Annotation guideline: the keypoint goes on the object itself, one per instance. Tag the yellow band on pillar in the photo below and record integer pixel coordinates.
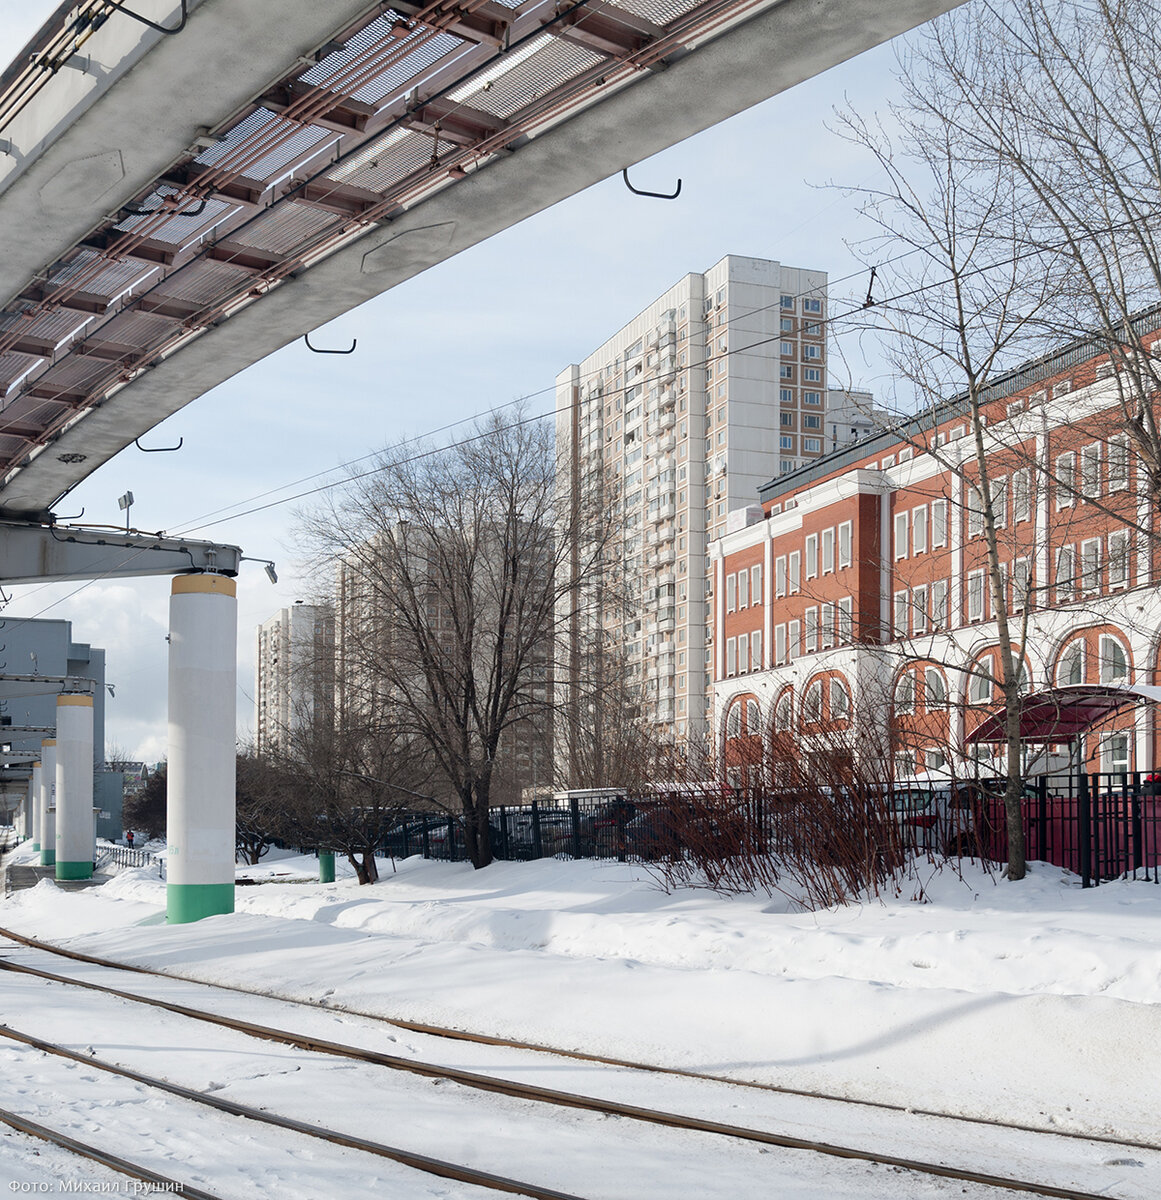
(80, 701)
(49, 742)
(37, 764)
(221, 584)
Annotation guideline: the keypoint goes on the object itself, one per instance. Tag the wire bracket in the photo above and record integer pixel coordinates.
(656, 195)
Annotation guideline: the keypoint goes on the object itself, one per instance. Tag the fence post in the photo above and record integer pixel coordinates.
(1138, 827)
(1083, 817)
(1042, 817)
(537, 848)
(574, 805)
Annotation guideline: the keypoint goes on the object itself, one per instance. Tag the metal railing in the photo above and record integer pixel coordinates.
(1099, 826)
(128, 856)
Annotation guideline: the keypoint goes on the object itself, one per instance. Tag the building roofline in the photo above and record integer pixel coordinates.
(1027, 373)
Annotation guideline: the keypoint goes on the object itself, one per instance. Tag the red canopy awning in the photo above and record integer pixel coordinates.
(1062, 714)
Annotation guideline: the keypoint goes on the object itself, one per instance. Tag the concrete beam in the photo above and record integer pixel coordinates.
(32, 553)
(748, 62)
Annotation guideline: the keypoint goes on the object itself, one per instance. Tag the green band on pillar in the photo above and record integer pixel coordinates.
(47, 857)
(74, 870)
(36, 846)
(186, 902)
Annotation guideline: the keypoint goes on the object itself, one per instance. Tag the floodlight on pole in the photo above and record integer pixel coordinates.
(125, 503)
(271, 573)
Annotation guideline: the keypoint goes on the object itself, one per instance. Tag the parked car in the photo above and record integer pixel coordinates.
(406, 838)
(939, 818)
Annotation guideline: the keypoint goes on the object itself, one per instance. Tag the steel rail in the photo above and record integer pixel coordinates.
(123, 1166)
(419, 1162)
(484, 1039)
(551, 1096)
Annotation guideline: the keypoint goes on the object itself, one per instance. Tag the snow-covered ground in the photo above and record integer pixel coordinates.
(1034, 1002)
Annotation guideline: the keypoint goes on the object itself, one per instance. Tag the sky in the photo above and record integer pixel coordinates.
(489, 326)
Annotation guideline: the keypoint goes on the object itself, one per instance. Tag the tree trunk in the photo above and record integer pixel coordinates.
(366, 869)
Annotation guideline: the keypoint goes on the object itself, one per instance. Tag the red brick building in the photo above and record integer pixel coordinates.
(854, 608)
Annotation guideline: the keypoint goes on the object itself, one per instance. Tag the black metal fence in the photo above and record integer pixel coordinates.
(1100, 826)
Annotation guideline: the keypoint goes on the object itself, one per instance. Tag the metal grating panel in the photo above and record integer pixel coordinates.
(203, 282)
(264, 144)
(111, 280)
(393, 157)
(13, 368)
(552, 64)
(137, 328)
(178, 229)
(284, 227)
(374, 80)
(660, 12)
(77, 373)
(55, 325)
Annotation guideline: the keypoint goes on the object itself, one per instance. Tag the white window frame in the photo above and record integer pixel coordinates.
(1065, 480)
(794, 578)
(731, 657)
(1090, 567)
(827, 549)
(899, 614)
(999, 488)
(845, 621)
(756, 663)
(780, 658)
(731, 593)
(793, 640)
(919, 529)
(1109, 674)
(1021, 495)
(1090, 471)
(840, 709)
(743, 589)
(939, 590)
(1119, 555)
(826, 625)
(919, 610)
(975, 596)
(1118, 466)
(845, 533)
(756, 596)
(901, 542)
(811, 549)
(810, 629)
(939, 523)
(981, 682)
(1065, 581)
(903, 698)
(780, 575)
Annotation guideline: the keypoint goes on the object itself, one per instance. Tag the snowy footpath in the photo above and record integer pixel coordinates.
(1033, 1002)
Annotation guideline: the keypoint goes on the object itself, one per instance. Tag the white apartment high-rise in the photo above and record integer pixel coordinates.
(294, 672)
(717, 387)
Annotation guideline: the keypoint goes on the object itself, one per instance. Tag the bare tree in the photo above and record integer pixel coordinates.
(964, 307)
(1066, 97)
(450, 590)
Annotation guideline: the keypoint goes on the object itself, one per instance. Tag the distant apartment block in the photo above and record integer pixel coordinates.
(294, 674)
(716, 387)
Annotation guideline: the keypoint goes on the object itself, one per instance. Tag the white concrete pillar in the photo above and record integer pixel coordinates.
(74, 787)
(48, 802)
(34, 799)
(203, 669)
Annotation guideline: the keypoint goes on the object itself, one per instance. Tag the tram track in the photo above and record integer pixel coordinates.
(483, 1039)
(511, 1089)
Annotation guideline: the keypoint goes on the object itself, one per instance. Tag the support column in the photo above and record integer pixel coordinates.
(34, 805)
(48, 802)
(203, 640)
(74, 787)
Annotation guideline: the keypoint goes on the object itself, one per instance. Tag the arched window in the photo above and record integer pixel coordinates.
(734, 722)
(782, 714)
(812, 702)
(840, 700)
(905, 693)
(934, 688)
(980, 686)
(1071, 669)
(752, 721)
(1114, 661)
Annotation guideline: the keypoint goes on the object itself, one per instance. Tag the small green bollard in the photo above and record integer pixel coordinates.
(326, 866)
